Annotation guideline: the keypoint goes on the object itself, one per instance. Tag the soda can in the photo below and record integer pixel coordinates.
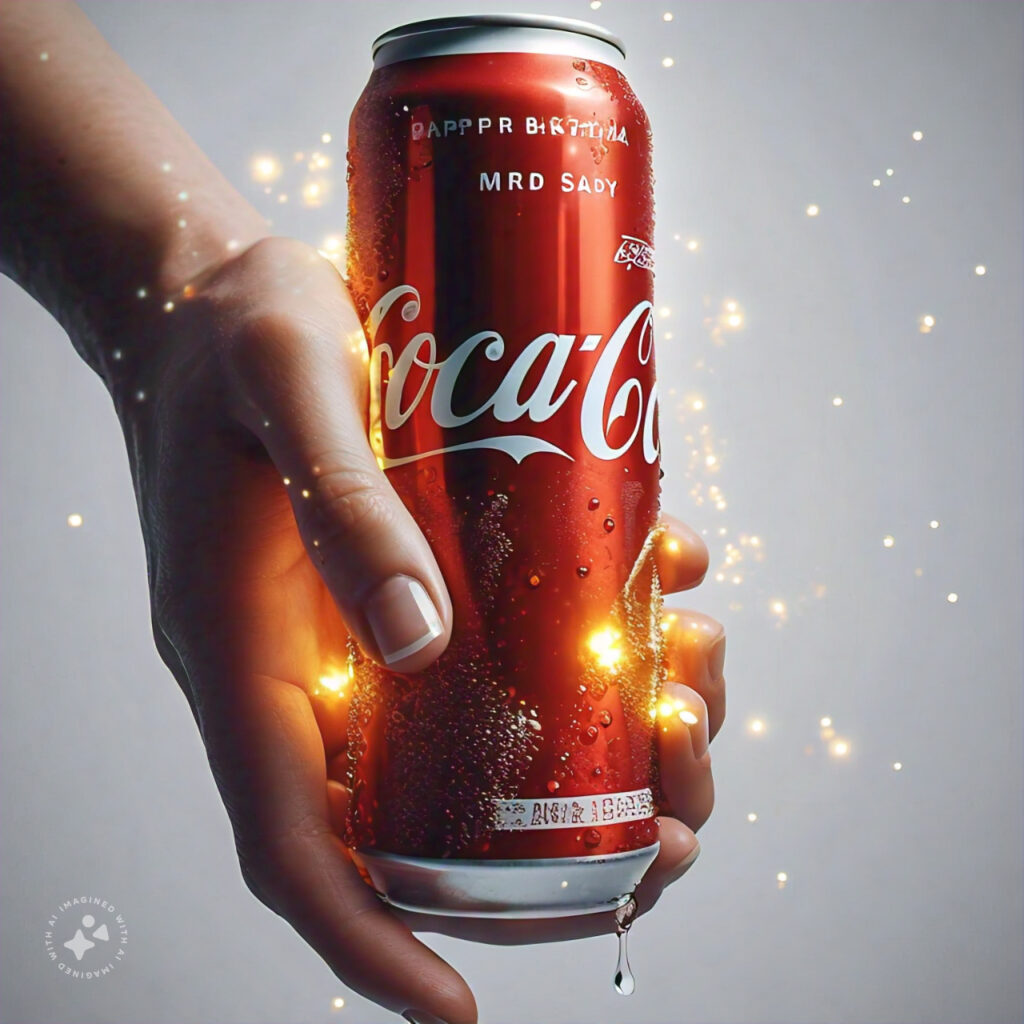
(500, 255)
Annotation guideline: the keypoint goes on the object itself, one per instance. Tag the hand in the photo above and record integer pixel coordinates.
(269, 532)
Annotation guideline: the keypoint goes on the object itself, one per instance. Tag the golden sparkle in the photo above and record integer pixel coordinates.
(888, 540)
(337, 1003)
(917, 136)
(667, 62)
(813, 210)
(926, 323)
(905, 200)
(839, 748)
(876, 182)
(692, 244)
(897, 766)
(315, 192)
(934, 524)
(751, 816)
(889, 172)
(837, 401)
(325, 138)
(981, 270)
(265, 168)
(667, 16)
(825, 722)
(756, 726)
(952, 597)
(604, 644)
(74, 520)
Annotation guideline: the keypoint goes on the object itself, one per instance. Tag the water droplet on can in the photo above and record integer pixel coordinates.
(593, 503)
(582, 571)
(591, 837)
(605, 718)
(580, 65)
(534, 579)
(589, 734)
(609, 524)
(553, 786)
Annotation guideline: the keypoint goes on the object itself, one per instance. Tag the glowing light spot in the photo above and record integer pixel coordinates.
(981, 270)
(710, 460)
(667, 62)
(337, 1003)
(672, 545)
(897, 766)
(287, 481)
(917, 136)
(44, 56)
(667, 16)
(595, 5)
(934, 524)
(74, 520)
(782, 877)
(305, 493)
(117, 355)
(756, 726)
(813, 210)
(687, 717)
(839, 748)
(905, 200)
(232, 245)
(333, 681)
(825, 722)
(165, 167)
(664, 311)
(140, 395)
(952, 598)
(751, 816)
(326, 137)
(188, 292)
(837, 401)
(876, 182)
(565, 885)
(332, 243)
(182, 222)
(888, 540)
(926, 323)
(697, 404)
(693, 245)
(183, 195)
(603, 643)
(265, 168)
(142, 293)
(314, 193)
(168, 306)
(889, 172)
(779, 607)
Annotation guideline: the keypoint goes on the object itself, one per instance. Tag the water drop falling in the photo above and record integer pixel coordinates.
(625, 983)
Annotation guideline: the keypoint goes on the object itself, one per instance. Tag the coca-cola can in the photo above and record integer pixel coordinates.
(500, 256)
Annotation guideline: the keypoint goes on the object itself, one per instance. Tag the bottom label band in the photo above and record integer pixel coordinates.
(567, 811)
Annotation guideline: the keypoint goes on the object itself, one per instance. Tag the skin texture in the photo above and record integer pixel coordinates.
(250, 379)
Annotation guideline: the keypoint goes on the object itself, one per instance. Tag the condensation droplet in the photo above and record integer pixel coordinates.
(593, 503)
(534, 579)
(589, 734)
(591, 837)
(609, 524)
(605, 718)
(582, 571)
(553, 786)
(580, 65)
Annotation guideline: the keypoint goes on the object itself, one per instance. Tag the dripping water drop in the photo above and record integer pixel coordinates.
(625, 983)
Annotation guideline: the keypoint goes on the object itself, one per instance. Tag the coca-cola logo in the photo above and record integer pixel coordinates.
(616, 411)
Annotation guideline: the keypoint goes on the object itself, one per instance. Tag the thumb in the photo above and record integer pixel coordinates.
(307, 407)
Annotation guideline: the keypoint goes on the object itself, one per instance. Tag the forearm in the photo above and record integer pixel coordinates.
(103, 196)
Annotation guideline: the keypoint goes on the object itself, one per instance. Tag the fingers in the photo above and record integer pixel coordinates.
(681, 555)
(269, 764)
(695, 655)
(686, 782)
(306, 399)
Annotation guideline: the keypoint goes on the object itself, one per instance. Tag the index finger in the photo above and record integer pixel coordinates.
(268, 760)
(682, 556)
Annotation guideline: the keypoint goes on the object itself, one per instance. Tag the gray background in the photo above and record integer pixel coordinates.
(903, 899)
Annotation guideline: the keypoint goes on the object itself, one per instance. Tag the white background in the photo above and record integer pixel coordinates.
(903, 899)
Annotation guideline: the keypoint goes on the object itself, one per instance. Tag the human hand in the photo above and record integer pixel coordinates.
(271, 534)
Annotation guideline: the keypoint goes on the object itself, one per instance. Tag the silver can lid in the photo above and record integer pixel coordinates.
(498, 33)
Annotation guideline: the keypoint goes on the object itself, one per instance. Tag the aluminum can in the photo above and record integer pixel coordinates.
(500, 255)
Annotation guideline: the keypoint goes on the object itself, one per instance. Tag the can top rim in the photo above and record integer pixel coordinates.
(546, 21)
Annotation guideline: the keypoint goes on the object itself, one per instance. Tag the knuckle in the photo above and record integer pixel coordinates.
(350, 502)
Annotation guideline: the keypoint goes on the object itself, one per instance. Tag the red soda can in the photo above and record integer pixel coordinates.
(500, 256)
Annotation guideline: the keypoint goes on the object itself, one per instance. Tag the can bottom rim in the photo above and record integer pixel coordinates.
(546, 887)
